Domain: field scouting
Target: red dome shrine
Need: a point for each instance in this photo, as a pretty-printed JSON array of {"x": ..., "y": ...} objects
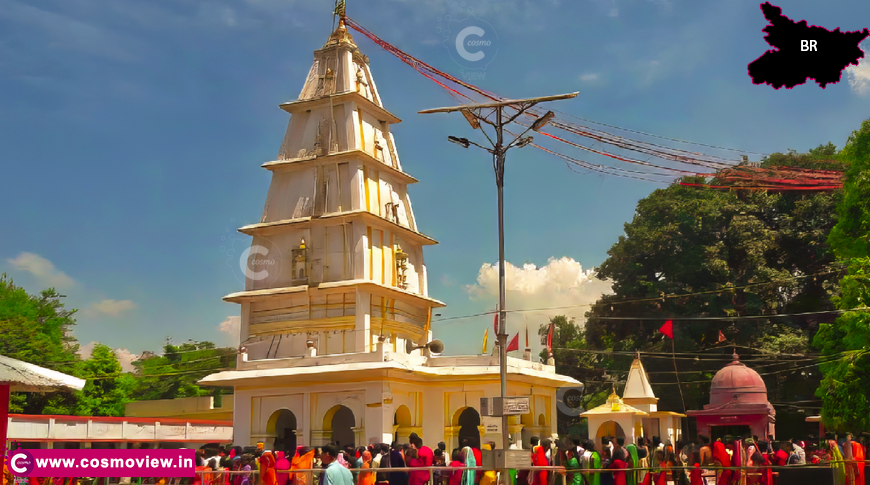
[{"x": 736, "y": 383}]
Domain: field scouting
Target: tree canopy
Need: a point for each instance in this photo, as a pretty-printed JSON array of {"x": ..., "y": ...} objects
[
  {"x": 846, "y": 342},
  {"x": 38, "y": 329},
  {"x": 706, "y": 253}
]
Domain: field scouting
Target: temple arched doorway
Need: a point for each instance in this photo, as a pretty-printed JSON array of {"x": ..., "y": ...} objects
[
  {"x": 610, "y": 429},
  {"x": 340, "y": 421},
  {"x": 469, "y": 427},
  {"x": 282, "y": 425}
]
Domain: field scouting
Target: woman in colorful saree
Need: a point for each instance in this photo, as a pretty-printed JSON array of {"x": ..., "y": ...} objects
[
  {"x": 594, "y": 463},
  {"x": 633, "y": 477},
  {"x": 304, "y": 460},
  {"x": 467, "y": 456},
  {"x": 836, "y": 459},
  {"x": 721, "y": 459},
  {"x": 737, "y": 460},
  {"x": 366, "y": 478},
  {"x": 267, "y": 469}
]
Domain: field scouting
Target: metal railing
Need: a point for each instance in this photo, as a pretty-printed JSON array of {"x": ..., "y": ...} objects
[
  {"x": 210, "y": 477},
  {"x": 442, "y": 473}
]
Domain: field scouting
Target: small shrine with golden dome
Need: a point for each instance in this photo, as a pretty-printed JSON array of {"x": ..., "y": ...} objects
[{"x": 636, "y": 414}]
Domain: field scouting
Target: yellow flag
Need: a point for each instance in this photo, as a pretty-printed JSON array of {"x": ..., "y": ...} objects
[{"x": 485, "y": 335}]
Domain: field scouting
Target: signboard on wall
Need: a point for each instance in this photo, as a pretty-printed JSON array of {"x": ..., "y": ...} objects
[
  {"x": 509, "y": 406},
  {"x": 491, "y": 425},
  {"x": 514, "y": 405}
]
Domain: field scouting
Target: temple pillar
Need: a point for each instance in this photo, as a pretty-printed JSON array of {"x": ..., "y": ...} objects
[{"x": 320, "y": 437}]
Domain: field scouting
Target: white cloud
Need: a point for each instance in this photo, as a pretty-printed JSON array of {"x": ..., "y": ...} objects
[
  {"x": 446, "y": 280},
  {"x": 86, "y": 350},
  {"x": 231, "y": 327},
  {"x": 614, "y": 12},
  {"x": 110, "y": 308},
  {"x": 590, "y": 76},
  {"x": 859, "y": 76},
  {"x": 42, "y": 269},
  {"x": 562, "y": 284},
  {"x": 124, "y": 356}
]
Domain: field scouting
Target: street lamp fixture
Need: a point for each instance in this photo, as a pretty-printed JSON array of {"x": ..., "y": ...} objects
[
  {"x": 459, "y": 141},
  {"x": 523, "y": 142},
  {"x": 496, "y": 115},
  {"x": 543, "y": 120}
]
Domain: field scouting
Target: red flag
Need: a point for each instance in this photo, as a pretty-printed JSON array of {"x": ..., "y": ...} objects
[
  {"x": 495, "y": 323},
  {"x": 550, "y": 340},
  {"x": 668, "y": 329},
  {"x": 514, "y": 343},
  {"x": 721, "y": 337}
]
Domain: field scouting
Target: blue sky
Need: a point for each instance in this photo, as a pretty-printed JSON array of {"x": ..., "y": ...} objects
[{"x": 132, "y": 134}]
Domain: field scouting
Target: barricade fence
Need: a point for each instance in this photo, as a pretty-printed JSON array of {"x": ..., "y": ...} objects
[{"x": 560, "y": 474}]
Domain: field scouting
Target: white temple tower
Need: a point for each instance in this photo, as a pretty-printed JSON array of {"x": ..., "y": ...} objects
[
  {"x": 341, "y": 260},
  {"x": 336, "y": 287}
]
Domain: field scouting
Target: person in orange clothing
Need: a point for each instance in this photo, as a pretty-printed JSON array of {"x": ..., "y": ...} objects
[
  {"x": 368, "y": 478},
  {"x": 267, "y": 469},
  {"x": 853, "y": 452},
  {"x": 304, "y": 460}
]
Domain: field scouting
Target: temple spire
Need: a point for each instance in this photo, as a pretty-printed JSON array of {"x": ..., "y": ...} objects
[{"x": 340, "y": 12}]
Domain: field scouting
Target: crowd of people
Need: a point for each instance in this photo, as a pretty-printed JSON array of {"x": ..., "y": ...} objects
[{"x": 745, "y": 460}]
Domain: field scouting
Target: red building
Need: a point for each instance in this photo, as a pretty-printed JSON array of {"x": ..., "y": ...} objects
[{"x": 738, "y": 404}]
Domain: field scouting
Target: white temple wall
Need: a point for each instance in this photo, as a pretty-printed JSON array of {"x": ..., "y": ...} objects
[
  {"x": 381, "y": 409},
  {"x": 361, "y": 266},
  {"x": 373, "y": 86},
  {"x": 407, "y": 208},
  {"x": 363, "y": 321},
  {"x": 276, "y": 260},
  {"x": 291, "y": 195},
  {"x": 357, "y": 185},
  {"x": 353, "y": 128},
  {"x": 370, "y": 132},
  {"x": 395, "y": 156}
]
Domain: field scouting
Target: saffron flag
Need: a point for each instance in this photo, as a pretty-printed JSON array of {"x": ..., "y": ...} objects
[
  {"x": 527, "y": 334},
  {"x": 485, "y": 335},
  {"x": 721, "y": 337},
  {"x": 668, "y": 329},
  {"x": 514, "y": 343}
]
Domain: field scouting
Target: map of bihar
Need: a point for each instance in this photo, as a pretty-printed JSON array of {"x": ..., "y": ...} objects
[{"x": 801, "y": 51}]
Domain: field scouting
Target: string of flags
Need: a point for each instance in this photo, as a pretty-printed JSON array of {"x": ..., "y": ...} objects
[
  {"x": 668, "y": 330},
  {"x": 514, "y": 343}
]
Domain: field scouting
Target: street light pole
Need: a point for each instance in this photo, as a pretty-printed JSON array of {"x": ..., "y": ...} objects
[
  {"x": 499, "y": 158},
  {"x": 477, "y": 114}
]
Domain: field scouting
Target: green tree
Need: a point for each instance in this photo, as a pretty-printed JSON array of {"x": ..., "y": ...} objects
[
  {"x": 757, "y": 246},
  {"x": 846, "y": 342},
  {"x": 38, "y": 329},
  {"x": 568, "y": 344},
  {"x": 107, "y": 388},
  {"x": 176, "y": 372}
]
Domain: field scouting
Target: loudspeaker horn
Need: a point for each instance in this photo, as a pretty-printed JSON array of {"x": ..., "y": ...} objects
[{"x": 435, "y": 346}]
